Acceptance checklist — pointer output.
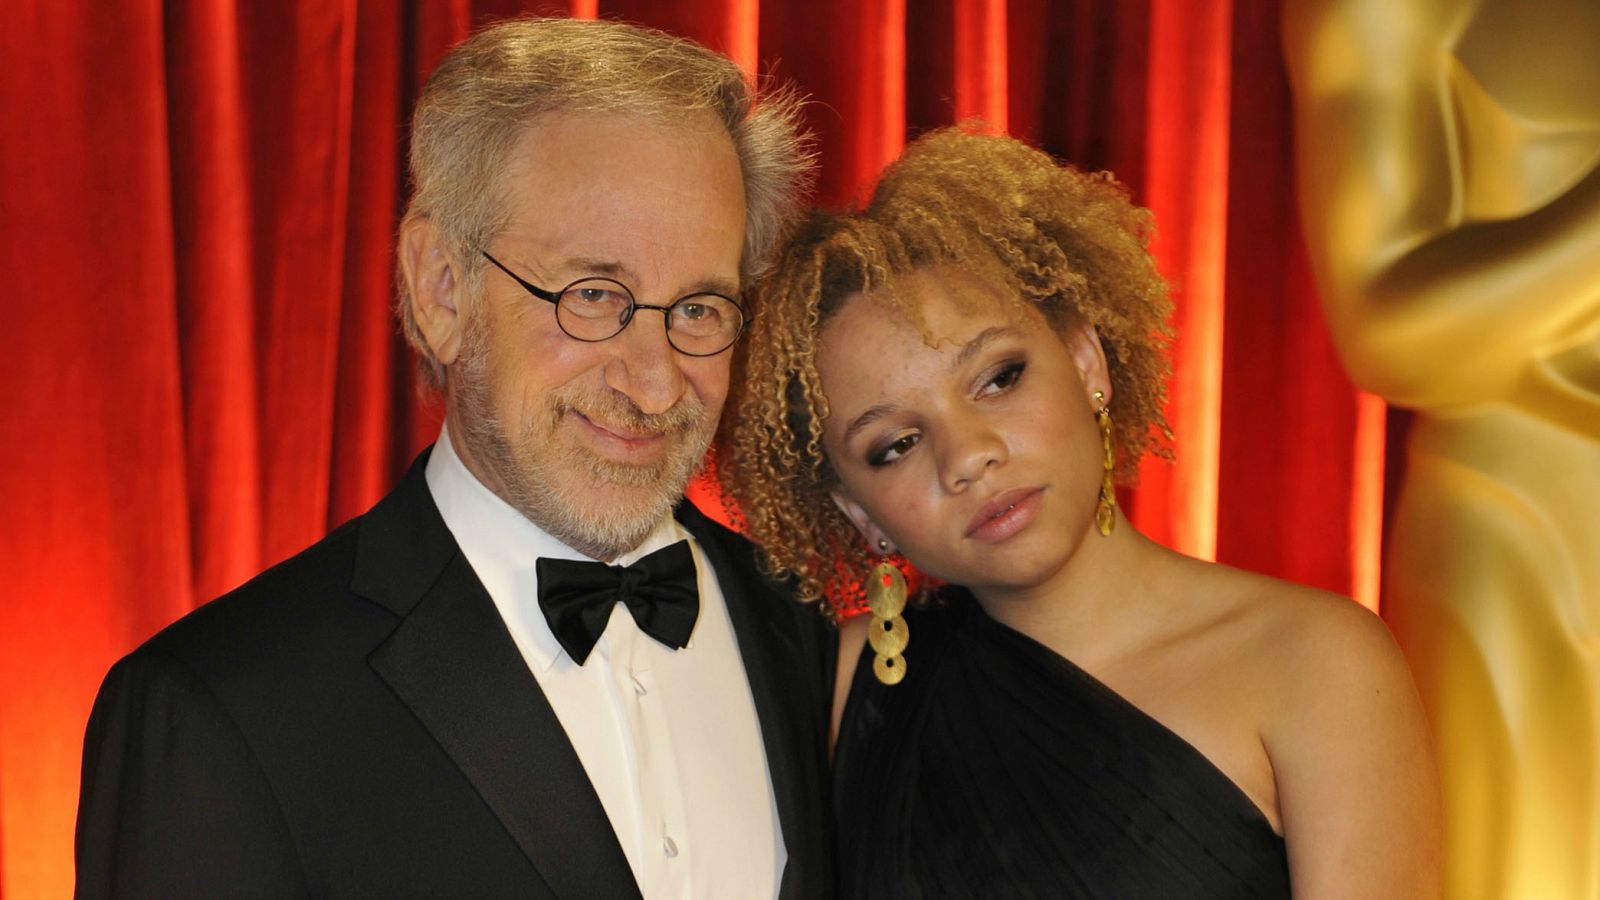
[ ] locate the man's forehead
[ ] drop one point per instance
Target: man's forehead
(696, 126)
(693, 147)
(655, 204)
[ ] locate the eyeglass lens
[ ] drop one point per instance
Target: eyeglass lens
(595, 309)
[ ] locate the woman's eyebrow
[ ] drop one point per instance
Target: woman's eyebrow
(984, 337)
(872, 414)
(969, 350)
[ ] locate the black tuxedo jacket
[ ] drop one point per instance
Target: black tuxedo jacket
(357, 722)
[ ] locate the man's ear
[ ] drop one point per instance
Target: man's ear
(434, 287)
(858, 517)
(1083, 345)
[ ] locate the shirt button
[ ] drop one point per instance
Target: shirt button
(669, 847)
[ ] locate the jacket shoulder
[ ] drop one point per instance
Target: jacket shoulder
(304, 599)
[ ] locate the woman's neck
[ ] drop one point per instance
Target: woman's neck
(1089, 607)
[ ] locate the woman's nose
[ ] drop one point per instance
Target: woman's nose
(972, 449)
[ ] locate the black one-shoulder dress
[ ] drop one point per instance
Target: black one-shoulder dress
(997, 768)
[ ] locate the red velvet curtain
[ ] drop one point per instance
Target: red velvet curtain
(197, 204)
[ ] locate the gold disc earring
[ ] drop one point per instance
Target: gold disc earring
(1105, 515)
(888, 634)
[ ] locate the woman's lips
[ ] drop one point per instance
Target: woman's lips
(1005, 515)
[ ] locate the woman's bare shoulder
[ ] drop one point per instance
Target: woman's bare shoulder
(1316, 639)
(1286, 627)
(1345, 733)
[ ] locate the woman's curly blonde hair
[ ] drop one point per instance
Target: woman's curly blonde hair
(1069, 243)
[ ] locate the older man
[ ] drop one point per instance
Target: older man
(519, 674)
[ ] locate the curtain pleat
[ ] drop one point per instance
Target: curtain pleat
(367, 409)
(209, 147)
(1290, 419)
(850, 56)
(1187, 116)
(95, 536)
(979, 43)
(726, 26)
(298, 93)
(198, 204)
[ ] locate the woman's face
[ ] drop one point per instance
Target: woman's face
(977, 457)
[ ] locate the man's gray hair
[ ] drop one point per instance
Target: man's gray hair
(488, 89)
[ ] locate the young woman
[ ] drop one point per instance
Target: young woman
(956, 377)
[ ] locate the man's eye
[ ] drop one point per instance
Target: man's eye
(591, 295)
(893, 451)
(598, 299)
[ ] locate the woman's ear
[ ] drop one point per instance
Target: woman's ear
(1083, 345)
(434, 288)
(858, 517)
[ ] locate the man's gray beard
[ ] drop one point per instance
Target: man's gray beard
(533, 483)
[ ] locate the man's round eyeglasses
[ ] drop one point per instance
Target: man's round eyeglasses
(596, 309)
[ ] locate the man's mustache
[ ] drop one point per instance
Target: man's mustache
(613, 410)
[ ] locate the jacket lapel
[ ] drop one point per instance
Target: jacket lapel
(779, 653)
(452, 661)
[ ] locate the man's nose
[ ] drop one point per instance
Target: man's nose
(644, 367)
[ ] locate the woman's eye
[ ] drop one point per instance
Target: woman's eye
(1004, 378)
(892, 451)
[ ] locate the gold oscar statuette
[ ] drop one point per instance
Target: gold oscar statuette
(1449, 180)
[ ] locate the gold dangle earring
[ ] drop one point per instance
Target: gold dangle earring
(1105, 514)
(888, 634)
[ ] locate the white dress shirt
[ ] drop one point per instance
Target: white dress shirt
(669, 738)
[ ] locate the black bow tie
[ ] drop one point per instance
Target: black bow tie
(659, 590)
